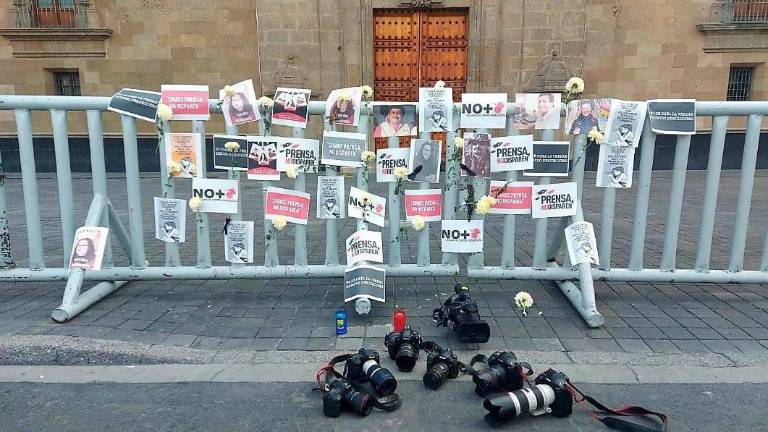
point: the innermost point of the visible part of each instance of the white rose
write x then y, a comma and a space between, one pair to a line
440, 84
195, 203
292, 171
164, 112
232, 146
575, 85
279, 222
418, 223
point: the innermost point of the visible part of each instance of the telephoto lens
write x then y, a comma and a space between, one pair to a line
382, 380
507, 406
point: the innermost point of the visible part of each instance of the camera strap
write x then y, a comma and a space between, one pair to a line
617, 423
387, 403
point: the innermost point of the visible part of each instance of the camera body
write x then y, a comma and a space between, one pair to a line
341, 395
403, 348
364, 367
442, 364
563, 404
503, 374
460, 314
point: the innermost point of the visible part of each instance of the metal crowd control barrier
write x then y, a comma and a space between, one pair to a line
544, 266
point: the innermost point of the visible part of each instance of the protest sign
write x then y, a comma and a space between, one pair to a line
625, 123
435, 109
364, 245
343, 106
484, 110
88, 248
512, 153
183, 149
330, 197
582, 246
461, 236
291, 107
224, 158
387, 159
476, 156
188, 102
425, 158
364, 281
583, 115
672, 116
241, 107
394, 119
217, 195
550, 159
614, 166
140, 104
554, 200
238, 242
262, 158
426, 203
302, 152
512, 197
291, 204
343, 148
170, 220
537, 111
366, 206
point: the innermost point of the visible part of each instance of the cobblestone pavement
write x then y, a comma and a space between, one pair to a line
297, 314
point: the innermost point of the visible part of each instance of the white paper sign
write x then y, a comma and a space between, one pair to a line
582, 246
625, 123
330, 197
343, 106
387, 159
238, 242
170, 220
512, 153
364, 246
461, 236
370, 210
302, 152
343, 148
484, 110
88, 248
554, 200
435, 109
614, 167
217, 195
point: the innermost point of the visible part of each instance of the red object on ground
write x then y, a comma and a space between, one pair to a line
399, 319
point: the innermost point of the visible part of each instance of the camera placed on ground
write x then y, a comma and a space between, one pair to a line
342, 396
459, 313
403, 348
442, 364
502, 373
364, 367
549, 395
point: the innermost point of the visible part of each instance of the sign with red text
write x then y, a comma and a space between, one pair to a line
426, 203
483, 110
216, 195
512, 153
554, 200
188, 102
293, 205
366, 206
511, 197
387, 160
462, 236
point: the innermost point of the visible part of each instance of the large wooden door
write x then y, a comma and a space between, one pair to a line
416, 48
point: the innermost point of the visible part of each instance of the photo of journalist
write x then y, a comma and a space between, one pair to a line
477, 156
586, 119
394, 120
425, 157
239, 108
537, 111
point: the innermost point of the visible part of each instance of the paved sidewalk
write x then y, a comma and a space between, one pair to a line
298, 314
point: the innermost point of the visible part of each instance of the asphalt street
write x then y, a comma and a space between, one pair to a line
296, 407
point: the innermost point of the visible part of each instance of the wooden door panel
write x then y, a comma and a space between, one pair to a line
395, 55
444, 49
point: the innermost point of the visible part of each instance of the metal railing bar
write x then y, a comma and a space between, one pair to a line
300, 233
669, 255
422, 256
393, 207
647, 147
606, 228
64, 181
235, 175
271, 257
202, 221
167, 187
361, 173
130, 149
99, 172
716, 145
29, 182
508, 232
331, 225
451, 189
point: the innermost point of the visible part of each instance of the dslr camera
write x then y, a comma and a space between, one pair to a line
442, 364
503, 373
364, 367
549, 395
340, 396
403, 348
459, 313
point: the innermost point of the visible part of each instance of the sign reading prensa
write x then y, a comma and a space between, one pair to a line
364, 246
302, 152
461, 236
217, 195
364, 281
188, 102
554, 200
483, 110
426, 203
512, 153
387, 159
511, 197
293, 205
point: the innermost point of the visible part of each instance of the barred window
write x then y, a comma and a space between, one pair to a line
67, 83
740, 83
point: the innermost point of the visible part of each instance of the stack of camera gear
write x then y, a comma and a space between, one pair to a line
459, 313
348, 392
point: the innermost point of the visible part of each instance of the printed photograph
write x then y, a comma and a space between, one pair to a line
425, 160
241, 107
394, 120
537, 111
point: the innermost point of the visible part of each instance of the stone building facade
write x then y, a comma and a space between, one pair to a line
622, 48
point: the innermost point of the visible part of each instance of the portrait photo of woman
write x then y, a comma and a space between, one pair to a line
425, 160
88, 248
84, 254
240, 107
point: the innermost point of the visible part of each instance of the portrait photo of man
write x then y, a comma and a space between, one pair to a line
394, 120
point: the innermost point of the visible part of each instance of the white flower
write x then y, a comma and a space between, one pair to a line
488, 199
194, 203
229, 91
483, 207
164, 112
523, 301
440, 84
292, 171
344, 98
279, 222
400, 172
575, 85
174, 168
418, 223
596, 136
367, 92
458, 142
367, 156
266, 102
232, 146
